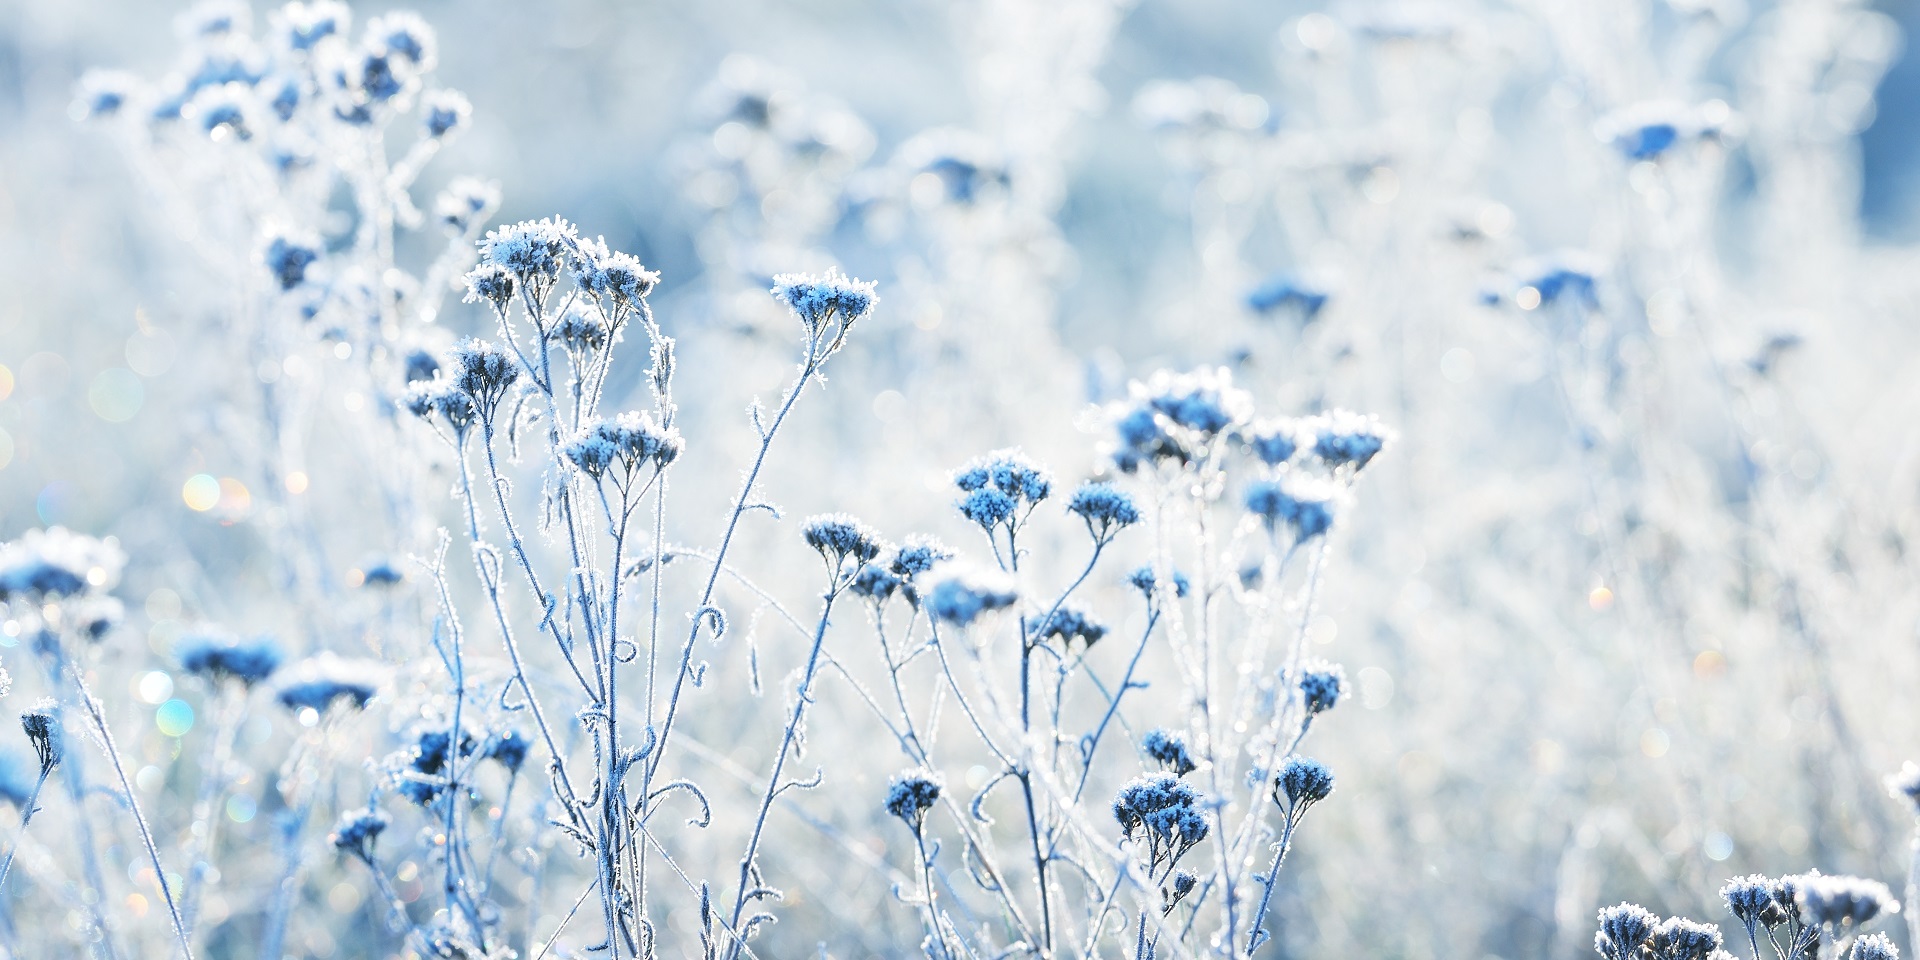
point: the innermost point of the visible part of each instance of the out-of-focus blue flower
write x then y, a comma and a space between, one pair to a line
1342, 438
1303, 505
1168, 749
320, 682
1289, 292
1143, 580
444, 112
1068, 624
1321, 686
357, 831
216, 655
302, 26
288, 256
963, 597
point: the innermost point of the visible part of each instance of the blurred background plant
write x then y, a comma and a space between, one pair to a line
1627, 611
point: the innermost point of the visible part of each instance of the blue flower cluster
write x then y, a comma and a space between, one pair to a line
216, 656
1169, 750
1164, 810
628, 441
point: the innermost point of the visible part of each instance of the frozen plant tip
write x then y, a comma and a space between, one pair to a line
1068, 624
1345, 439
1169, 750
1105, 509
216, 656
839, 538
1873, 946
1750, 899
357, 831
1321, 687
42, 724
1301, 504
1678, 938
911, 795
1624, 929
827, 303
1301, 783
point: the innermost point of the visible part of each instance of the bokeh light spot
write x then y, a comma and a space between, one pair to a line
201, 492
174, 718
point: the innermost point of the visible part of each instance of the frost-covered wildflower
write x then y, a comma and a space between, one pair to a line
484, 372
1342, 438
302, 26
1204, 401
465, 200
216, 655
1624, 929
1275, 442
1873, 946
895, 571
491, 283
839, 538
947, 165
1786, 895
582, 329
420, 366
1844, 901
532, 251
1678, 938
1648, 130
407, 36
1105, 508
911, 795
1569, 276
55, 564
357, 832
1750, 899
1176, 890
1001, 489
438, 401
42, 724
1163, 809
823, 301
1144, 581
612, 275
420, 771
962, 598
1142, 440
509, 748
875, 582
318, 683
104, 93
288, 256
1068, 624
1286, 291
918, 555
1302, 782
627, 441
444, 112
221, 111
1168, 749
1321, 687
1302, 504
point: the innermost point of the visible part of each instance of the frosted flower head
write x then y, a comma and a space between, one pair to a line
1144, 581
875, 582
405, 36
491, 283
302, 26
1067, 624
1302, 504
483, 371
1301, 783
1342, 438
464, 202
1321, 687
438, 401
611, 275
533, 251
582, 328
627, 442
1168, 749
213, 19
420, 770
1105, 508
1204, 401
1677, 938
829, 303
444, 112
216, 655
1142, 440
509, 748
840, 539
1165, 811
897, 570
104, 93
357, 832
420, 366
1844, 901
1750, 899
287, 257
910, 795
1286, 292
918, 555
1650, 129
1569, 276
1274, 442
964, 597
1624, 929
42, 724
321, 682
221, 111
56, 564
1001, 489
1873, 946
